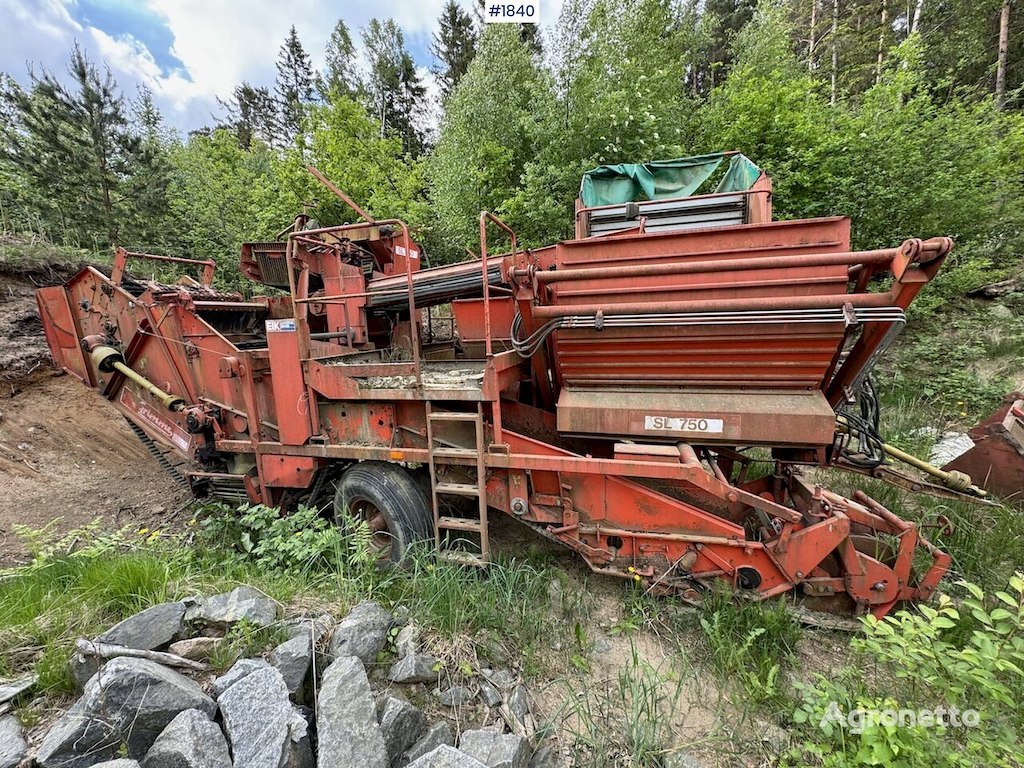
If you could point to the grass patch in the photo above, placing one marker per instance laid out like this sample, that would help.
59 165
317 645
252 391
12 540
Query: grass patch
47 605
749 643
950 372
32 254
627 721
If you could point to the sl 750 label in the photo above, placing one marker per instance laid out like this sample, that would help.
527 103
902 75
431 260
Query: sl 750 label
683 424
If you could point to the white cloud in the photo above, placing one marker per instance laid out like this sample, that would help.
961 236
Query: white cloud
219 43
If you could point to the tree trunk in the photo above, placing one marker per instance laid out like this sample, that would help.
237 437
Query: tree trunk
917 16
881 41
835 51
812 41
1004 41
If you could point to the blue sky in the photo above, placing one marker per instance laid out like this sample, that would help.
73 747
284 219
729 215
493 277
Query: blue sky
192 52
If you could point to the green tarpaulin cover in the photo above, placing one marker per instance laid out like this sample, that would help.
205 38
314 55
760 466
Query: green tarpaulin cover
662 179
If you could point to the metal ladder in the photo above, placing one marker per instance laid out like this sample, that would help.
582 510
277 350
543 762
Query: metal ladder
447 523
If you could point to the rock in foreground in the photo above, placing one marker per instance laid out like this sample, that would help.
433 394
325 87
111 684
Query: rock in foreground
363 632
126 705
446 757
347 727
264 728
191 740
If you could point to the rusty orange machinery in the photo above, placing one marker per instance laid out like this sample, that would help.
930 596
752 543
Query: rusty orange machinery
619 382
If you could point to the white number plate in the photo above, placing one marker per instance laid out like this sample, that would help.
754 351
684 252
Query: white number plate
688 424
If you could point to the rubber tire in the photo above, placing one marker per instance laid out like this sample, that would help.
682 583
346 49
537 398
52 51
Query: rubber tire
395 492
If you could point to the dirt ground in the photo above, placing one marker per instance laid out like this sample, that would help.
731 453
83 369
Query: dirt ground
66 456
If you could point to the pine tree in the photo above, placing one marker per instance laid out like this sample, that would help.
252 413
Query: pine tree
148 183
454 45
394 91
340 74
73 149
294 84
252 114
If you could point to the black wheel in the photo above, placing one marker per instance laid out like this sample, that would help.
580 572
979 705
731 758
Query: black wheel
391 502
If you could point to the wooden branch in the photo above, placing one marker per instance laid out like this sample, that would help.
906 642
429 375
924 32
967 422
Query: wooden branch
110 651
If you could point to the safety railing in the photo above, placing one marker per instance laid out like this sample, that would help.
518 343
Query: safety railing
303 301
122 256
486 216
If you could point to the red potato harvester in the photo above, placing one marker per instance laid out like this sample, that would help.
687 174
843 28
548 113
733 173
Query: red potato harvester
613 392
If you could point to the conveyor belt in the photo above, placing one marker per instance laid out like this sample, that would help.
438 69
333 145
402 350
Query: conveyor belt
437 285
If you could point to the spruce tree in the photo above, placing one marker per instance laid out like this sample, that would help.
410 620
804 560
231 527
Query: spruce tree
148 182
294 85
454 45
340 77
73 148
252 114
394 91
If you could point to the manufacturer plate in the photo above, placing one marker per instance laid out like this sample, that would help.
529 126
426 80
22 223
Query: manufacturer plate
684 424
280 325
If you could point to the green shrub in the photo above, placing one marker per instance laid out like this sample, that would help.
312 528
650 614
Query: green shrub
967 657
302 541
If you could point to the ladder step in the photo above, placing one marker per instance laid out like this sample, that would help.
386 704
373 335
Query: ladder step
455 453
453 416
456 489
459 524
463 558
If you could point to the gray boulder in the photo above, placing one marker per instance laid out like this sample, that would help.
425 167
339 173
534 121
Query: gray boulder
401 725
121 762
315 628
125 706
83 668
446 757
407 641
418 668
153 628
545 757
489 694
519 703
681 760
436 736
347 726
231 607
12 742
501 679
495 749
11 690
264 728
363 632
240 669
292 659
455 696
191 740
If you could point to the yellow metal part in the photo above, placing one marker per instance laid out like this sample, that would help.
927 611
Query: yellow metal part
957 481
109 359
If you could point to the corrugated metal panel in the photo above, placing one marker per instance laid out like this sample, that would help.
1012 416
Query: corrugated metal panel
693 213
785 356
790 355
